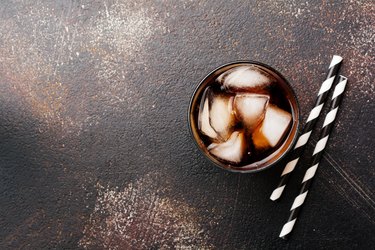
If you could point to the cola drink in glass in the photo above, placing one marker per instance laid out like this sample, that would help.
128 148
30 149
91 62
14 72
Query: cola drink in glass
244 116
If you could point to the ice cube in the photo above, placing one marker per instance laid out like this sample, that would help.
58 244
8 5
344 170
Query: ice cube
232 150
204 117
222 118
250 109
243 77
275 124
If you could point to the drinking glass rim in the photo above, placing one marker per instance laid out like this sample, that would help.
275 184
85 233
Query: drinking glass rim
297 120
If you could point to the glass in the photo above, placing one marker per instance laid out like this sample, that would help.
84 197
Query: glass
280 90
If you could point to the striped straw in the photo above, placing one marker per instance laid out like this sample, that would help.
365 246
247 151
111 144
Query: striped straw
298 149
317 155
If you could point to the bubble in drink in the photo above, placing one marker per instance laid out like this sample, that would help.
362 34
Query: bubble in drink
244 115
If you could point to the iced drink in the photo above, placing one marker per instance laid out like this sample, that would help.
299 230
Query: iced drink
244 114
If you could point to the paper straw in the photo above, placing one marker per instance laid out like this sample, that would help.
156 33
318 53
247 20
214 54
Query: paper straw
298 149
317 155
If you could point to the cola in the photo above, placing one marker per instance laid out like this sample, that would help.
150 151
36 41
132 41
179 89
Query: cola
244 115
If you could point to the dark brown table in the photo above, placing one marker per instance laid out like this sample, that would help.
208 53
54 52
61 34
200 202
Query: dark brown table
95 150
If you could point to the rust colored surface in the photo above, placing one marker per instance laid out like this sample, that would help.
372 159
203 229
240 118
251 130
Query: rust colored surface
95 150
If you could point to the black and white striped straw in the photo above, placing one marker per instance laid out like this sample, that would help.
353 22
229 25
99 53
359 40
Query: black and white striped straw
317 155
298 149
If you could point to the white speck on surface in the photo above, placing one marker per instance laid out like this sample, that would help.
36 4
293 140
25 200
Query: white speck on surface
119 35
38 47
293 8
355 45
142 216
361 45
123 29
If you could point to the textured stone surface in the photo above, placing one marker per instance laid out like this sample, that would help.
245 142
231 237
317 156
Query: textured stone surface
94 146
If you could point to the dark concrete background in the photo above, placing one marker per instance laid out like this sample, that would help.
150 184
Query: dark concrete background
94 145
